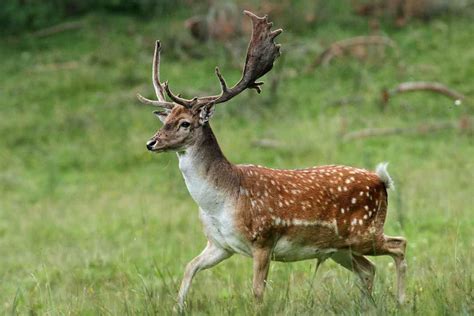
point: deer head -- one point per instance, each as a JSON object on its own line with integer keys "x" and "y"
{"x": 183, "y": 119}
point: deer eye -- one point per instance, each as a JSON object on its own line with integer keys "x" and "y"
{"x": 185, "y": 124}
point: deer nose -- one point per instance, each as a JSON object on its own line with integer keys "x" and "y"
{"x": 150, "y": 144}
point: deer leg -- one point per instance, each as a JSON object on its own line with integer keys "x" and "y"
{"x": 396, "y": 247}
{"x": 365, "y": 269}
{"x": 209, "y": 257}
{"x": 360, "y": 265}
{"x": 261, "y": 265}
{"x": 319, "y": 261}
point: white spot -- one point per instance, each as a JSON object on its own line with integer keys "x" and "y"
{"x": 354, "y": 200}
{"x": 366, "y": 208}
{"x": 342, "y": 210}
{"x": 360, "y": 221}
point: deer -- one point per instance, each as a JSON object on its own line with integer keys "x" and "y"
{"x": 325, "y": 212}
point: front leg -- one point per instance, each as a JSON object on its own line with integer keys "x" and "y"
{"x": 261, "y": 265}
{"x": 209, "y": 257}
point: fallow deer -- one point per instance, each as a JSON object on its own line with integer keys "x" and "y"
{"x": 267, "y": 214}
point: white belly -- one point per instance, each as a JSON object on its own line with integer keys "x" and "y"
{"x": 219, "y": 227}
{"x": 285, "y": 250}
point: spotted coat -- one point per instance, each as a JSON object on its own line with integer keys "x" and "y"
{"x": 325, "y": 206}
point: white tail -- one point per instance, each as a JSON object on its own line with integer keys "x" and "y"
{"x": 381, "y": 171}
{"x": 335, "y": 212}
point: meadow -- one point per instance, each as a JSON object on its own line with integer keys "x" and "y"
{"x": 92, "y": 223}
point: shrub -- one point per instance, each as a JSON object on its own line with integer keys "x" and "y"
{"x": 20, "y": 15}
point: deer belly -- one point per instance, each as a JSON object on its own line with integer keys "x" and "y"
{"x": 220, "y": 231}
{"x": 285, "y": 250}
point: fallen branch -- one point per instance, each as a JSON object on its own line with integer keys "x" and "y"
{"x": 464, "y": 124}
{"x": 421, "y": 86}
{"x": 68, "y": 26}
{"x": 339, "y": 48}
{"x": 347, "y": 101}
{"x": 267, "y": 143}
{"x": 56, "y": 66}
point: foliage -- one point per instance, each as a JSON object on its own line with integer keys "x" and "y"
{"x": 91, "y": 223}
{"x": 18, "y": 15}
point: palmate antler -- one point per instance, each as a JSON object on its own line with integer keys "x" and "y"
{"x": 261, "y": 53}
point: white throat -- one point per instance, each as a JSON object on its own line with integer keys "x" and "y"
{"x": 209, "y": 198}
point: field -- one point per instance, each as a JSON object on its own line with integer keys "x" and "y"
{"x": 92, "y": 223}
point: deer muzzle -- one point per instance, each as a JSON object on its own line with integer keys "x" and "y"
{"x": 151, "y": 144}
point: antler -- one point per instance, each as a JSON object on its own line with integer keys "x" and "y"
{"x": 261, "y": 53}
{"x": 156, "y": 83}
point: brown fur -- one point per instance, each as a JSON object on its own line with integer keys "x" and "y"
{"x": 270, "y": 200}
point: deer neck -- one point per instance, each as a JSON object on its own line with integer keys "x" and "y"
{"x": 210, "y": 178}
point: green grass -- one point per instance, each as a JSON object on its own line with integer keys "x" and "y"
{"x": 92, "y": 223}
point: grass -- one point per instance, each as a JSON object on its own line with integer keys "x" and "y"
{"x": 91, "y": 223}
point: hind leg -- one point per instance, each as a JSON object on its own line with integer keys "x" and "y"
{"x": 360, "y": 265}
{"x": 396, "y": 247}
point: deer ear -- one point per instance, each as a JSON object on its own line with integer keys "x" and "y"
{"x": 162, "y": 114}
{"x": 205, "y": 113}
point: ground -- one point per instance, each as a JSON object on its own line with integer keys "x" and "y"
{"x": 92, "y": 223}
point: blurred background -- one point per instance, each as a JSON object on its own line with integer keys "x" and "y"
{"x": 92, "y": 223}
